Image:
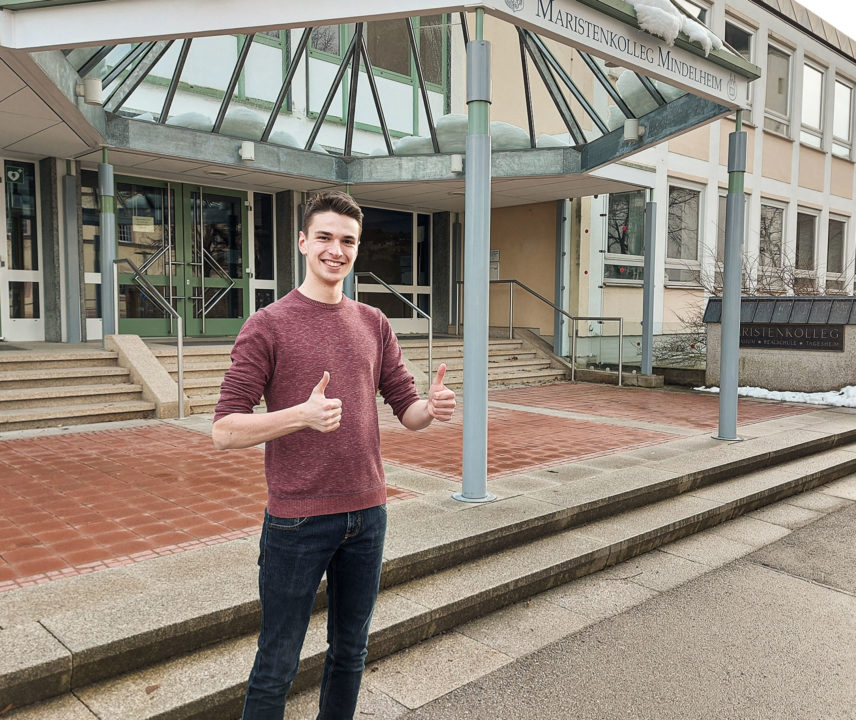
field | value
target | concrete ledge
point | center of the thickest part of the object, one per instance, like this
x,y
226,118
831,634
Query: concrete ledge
x,y
33,665
146,370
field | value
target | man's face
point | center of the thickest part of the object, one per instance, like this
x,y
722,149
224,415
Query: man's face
x,y
330,246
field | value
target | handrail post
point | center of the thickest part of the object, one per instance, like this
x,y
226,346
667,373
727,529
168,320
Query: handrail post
x,y
116,306
511,311
620,348
458,309
180,365
573,349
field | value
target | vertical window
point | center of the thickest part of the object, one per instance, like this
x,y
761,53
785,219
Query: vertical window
x,y
778,90
625,236
811,132
835,247
772,227
806,225
263,236
740,41
683,235
325,38
841,119
836,282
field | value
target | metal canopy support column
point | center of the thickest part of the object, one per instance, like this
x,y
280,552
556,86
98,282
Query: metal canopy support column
x,y
477,266
648,288
735,210
107,222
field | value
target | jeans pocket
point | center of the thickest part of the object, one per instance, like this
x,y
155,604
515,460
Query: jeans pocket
x,y
280,523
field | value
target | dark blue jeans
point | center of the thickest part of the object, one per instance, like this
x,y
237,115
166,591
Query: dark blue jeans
x,y
295,553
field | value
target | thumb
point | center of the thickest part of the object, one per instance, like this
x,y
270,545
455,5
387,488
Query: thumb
x,y
322,386
441,373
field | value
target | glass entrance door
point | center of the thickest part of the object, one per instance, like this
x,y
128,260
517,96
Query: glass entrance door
x,y
191,244
20,267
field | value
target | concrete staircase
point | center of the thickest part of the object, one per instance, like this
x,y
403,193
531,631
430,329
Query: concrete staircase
x,y
59,388
510,362
175,637
204,367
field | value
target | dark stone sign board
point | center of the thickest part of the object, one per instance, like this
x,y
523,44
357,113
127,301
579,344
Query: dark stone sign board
x,y
792,337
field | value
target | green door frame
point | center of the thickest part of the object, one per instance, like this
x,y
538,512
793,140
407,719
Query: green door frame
x,y
187,285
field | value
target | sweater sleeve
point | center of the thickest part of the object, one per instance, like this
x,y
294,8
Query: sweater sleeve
x,y
252,367
396,383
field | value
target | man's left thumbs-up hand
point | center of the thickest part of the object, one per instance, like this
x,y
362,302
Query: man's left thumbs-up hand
x,y
441,400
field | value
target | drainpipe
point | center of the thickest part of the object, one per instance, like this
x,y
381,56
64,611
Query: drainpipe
x,y
735,210
477,268
107,220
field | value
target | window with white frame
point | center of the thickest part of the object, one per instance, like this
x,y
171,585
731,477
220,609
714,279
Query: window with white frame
x,y
842,113
625,237
805,254
741,41
835,255
811,132
777,106
682,264
771,232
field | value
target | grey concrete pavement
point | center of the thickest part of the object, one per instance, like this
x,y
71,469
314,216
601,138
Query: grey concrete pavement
x,y
769,636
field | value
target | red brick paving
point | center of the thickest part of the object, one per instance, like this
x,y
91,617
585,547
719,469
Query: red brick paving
x,y
697,411
80,502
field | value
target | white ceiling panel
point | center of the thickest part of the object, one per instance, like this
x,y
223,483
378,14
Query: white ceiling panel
x,y
56,141
9,81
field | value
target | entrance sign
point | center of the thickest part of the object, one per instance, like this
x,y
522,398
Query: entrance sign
x,y
591,30
792,337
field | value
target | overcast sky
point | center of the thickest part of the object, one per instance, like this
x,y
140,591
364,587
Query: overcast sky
x,y
841,13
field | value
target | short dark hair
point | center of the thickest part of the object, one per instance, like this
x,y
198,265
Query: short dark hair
x,y
331,201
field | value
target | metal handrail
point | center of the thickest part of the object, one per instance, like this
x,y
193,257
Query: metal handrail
x,y
162,303
401,297
573,318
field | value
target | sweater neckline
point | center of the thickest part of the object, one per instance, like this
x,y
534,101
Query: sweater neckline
x,y
318,304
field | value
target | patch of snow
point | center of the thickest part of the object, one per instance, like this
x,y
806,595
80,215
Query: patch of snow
x,y
192,120
846,397
663,19
241,122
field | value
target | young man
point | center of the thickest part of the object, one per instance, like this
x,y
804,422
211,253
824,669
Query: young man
x,y
319,359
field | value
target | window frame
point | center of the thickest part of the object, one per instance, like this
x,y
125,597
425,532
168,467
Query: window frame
x,y
774,121
809,134
688,264
783,208
837,277
842,147
617,259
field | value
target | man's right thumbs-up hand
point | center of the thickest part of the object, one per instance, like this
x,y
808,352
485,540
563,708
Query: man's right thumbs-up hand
x,y
322,413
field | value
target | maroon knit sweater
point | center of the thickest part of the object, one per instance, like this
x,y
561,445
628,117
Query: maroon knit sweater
x,y
282,352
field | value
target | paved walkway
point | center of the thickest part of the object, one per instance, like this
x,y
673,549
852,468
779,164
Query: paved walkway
x,y
76,502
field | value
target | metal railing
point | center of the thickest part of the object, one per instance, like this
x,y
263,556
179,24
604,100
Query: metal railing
x,y
403,299
572,318
156,297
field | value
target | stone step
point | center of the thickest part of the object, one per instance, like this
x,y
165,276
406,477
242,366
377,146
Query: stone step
x,y
191,369
67,394
191,351
74,414
212,680
27,361
421,356
83,375
122,655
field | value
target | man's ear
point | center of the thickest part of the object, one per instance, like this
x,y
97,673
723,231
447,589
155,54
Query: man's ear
x,y
301,242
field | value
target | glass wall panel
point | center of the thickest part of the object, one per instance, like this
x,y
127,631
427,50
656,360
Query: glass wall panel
x,y
24,300
389,46
135,303
264,244
91,210
423,249
386,246
142,216
22,245
430,38
264,297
